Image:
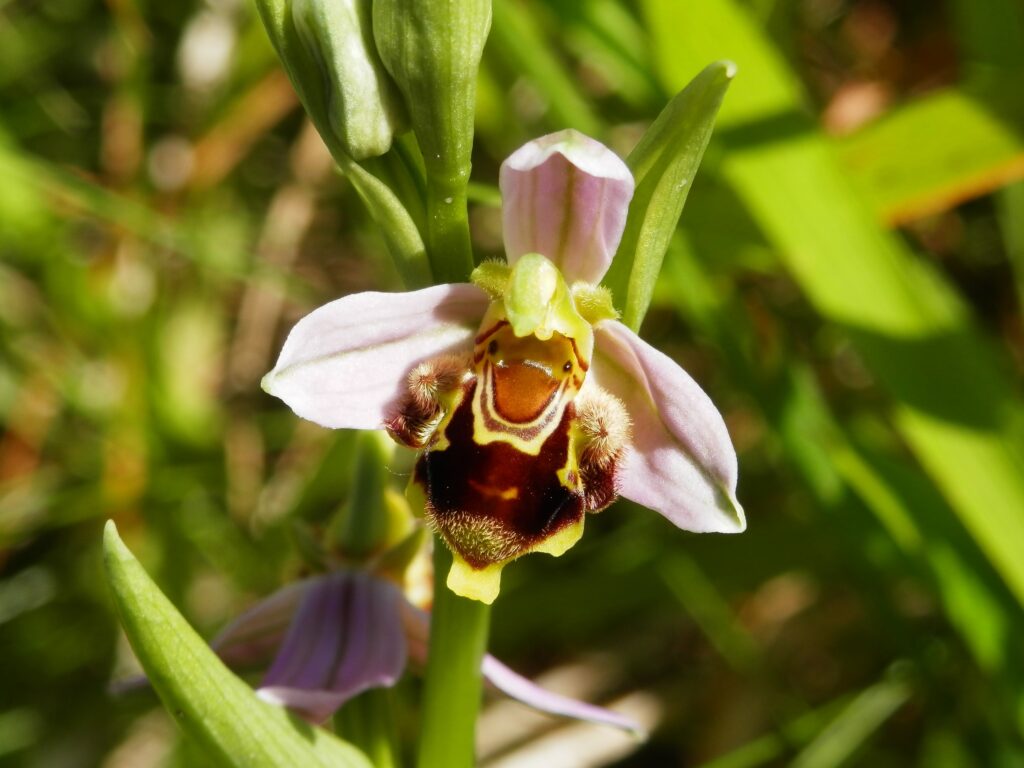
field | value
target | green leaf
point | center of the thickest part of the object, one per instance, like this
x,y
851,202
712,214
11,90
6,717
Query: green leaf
x,y
209,703
909,169
664,164
953,403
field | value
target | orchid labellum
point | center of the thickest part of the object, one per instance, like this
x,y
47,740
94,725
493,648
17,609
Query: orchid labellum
x,y
530,403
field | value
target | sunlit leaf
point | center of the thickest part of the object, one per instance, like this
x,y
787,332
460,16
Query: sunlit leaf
x,y
952,401
664,164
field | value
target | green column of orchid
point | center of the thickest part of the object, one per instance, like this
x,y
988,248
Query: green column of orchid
x,y
432,50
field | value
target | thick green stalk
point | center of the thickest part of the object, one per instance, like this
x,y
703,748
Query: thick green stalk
x,y
366,722
451,696
448,230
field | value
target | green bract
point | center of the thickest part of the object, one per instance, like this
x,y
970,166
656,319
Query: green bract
x,y
664,164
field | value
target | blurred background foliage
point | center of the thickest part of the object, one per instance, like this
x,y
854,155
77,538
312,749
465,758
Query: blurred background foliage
x,y
846,283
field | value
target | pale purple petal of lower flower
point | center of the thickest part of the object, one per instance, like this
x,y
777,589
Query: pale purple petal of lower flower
x,y
346,636
521,689
565,196
681,462
345,364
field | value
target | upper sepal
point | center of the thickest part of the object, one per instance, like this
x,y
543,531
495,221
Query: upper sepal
x,y
565,196
681,461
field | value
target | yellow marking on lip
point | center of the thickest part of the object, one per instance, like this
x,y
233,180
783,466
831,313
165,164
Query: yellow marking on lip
x,y
506,494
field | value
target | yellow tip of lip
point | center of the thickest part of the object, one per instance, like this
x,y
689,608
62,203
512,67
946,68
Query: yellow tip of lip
x,y
562,541
481,584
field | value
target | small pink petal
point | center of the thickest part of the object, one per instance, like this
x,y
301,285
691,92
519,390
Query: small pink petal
x,y
346,636
565,196
681,462
531,694
345,364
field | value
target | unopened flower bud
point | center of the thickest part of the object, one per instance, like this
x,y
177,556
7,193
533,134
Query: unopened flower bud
x,y
432,50
328,51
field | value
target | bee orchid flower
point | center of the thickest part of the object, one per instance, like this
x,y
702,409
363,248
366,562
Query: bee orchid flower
x,y
529,402
327,638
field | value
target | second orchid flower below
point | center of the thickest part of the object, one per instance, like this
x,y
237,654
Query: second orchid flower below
x,y
530,403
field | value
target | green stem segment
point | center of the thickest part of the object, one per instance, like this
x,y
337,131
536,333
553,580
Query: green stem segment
x,y
453,689
448,243
366,722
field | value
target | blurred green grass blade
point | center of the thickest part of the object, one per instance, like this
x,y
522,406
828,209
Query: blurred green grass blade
x,y
955,407
209,702
769,748
607,37
663,165
909,169
854,725
19,170
520,44
908,507
705,604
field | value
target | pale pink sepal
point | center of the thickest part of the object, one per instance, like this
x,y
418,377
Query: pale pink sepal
x,y
345,364
565,196
681,462
346,637
518,687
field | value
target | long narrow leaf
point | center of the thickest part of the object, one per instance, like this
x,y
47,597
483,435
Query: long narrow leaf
x,y
664,164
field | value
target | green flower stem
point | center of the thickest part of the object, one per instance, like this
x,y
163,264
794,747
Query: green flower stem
x,y
432,50
453,688
366,722
448,243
